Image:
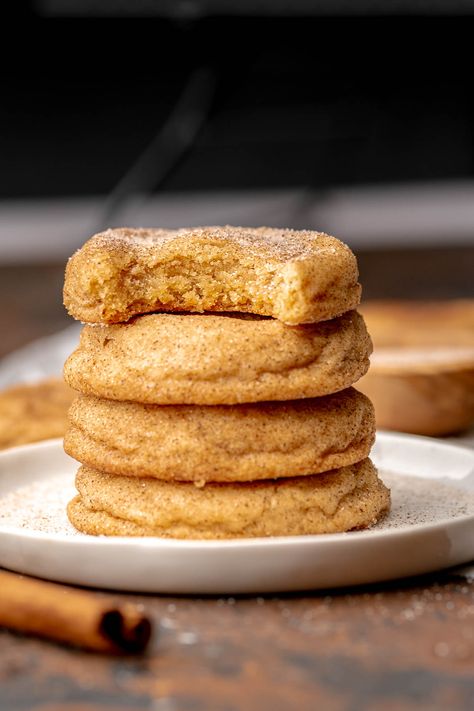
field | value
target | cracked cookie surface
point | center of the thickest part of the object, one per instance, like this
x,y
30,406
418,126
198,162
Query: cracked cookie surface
x,y
223,442
207,359
340,500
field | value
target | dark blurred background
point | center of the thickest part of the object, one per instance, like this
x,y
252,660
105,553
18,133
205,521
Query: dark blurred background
x,y
353,117
316,101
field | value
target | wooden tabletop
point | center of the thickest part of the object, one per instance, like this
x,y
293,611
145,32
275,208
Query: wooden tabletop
x,y
398,646
405,646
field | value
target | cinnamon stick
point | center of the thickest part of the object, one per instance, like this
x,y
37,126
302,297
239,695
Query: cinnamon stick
x,y
75,617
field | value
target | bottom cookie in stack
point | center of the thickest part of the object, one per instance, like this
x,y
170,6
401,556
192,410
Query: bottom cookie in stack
x,y
343,499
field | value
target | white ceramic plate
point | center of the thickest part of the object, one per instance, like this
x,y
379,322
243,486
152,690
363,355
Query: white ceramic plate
x,y
440,532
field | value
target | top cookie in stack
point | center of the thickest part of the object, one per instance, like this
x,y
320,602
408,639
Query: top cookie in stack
x,y
259,414
295,276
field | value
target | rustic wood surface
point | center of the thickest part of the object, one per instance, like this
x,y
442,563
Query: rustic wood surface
x,y
406,646
399,646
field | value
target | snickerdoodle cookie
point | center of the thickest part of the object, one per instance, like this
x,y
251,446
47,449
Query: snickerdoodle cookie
x,y
421,378
221,443
340,500
295,276
33,412
207,359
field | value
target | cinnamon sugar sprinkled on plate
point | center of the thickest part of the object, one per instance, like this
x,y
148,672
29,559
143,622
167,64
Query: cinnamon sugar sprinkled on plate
x,y
41,506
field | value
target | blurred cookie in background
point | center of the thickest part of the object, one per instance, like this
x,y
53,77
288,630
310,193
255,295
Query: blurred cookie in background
x,y
33,412
421,378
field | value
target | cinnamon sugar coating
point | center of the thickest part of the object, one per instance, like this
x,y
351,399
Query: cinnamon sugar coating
x,y
206,359
295,276
339,500
221,443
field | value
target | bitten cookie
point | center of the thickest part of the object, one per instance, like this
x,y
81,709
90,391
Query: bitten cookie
x,y
221,443
205,359
340,500
295,276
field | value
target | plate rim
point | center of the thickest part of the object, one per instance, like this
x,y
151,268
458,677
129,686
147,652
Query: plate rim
x,y
230,543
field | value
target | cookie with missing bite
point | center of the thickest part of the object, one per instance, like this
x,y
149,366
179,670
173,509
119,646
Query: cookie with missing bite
x,y
295,276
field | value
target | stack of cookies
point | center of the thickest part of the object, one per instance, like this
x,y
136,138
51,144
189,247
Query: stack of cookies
x,y
214,380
